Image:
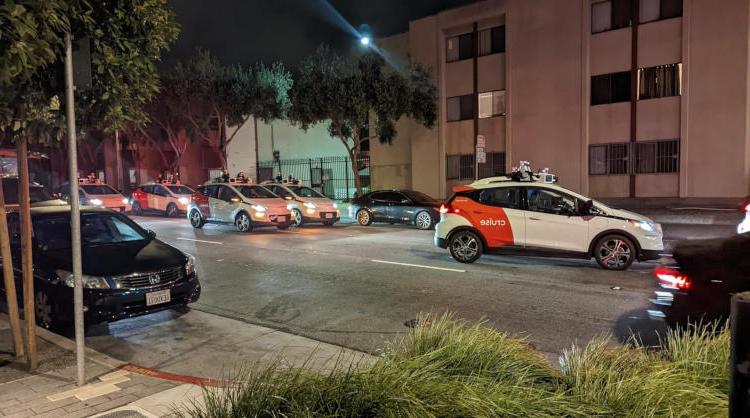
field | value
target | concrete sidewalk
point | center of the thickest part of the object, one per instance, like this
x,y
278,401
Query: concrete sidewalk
x,y
148,369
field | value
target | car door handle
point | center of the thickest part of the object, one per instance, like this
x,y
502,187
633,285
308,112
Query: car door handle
x,y
531,218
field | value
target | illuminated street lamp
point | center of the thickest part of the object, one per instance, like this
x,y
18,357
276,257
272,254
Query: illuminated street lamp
x,y
365,40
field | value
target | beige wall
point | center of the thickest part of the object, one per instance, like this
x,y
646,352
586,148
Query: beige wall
x,y
544,67
715,135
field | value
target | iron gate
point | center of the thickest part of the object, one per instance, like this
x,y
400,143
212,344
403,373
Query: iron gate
x,y
331,176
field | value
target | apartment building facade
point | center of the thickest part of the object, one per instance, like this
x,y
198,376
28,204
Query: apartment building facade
x,y
620,98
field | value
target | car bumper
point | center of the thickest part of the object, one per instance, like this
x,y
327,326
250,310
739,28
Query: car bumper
x,y
646,255
441,242
112,305
325,216
278,219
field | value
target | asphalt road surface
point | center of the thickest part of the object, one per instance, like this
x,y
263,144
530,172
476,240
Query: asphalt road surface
x,y
356,286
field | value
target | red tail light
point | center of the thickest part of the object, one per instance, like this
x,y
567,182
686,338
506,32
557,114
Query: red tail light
x,y
672,278
745,207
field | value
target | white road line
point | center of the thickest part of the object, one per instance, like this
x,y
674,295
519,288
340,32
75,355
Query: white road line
x,y
199,240
419,265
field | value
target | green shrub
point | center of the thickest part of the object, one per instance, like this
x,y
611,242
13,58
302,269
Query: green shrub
x,y
450,368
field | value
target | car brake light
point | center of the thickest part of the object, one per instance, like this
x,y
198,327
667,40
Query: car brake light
x,y
671,278
745,207
444,208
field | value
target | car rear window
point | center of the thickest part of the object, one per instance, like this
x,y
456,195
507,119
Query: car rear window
x,y
180,189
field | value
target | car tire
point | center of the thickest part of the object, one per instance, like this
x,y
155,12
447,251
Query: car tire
x,y
243,222
297,218
196,220
136,209
423,220
171,211
364,217
465,246
615,252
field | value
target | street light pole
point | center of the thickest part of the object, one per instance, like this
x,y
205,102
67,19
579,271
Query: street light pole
x,y
75,211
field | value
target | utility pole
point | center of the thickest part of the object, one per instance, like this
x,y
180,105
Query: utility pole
x,y
27,267
75,211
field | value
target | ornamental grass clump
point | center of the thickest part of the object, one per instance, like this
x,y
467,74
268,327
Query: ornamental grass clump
x,y
450,368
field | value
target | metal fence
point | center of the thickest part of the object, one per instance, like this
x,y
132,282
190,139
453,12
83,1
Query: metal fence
x,y
461,166
332,176
643,157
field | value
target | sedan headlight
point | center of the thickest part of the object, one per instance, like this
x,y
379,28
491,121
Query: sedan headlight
x,y
644,225
258,208
309,205
335,206
183,200
96,202
89,282
290,206
125,200
190,265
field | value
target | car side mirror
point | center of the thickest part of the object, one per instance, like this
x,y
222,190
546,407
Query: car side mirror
x,y
586,207
151,234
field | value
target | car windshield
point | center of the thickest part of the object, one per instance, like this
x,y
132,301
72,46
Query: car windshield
x,y
53,232
419,197
36,193
305,191
180,189
256,192
99,189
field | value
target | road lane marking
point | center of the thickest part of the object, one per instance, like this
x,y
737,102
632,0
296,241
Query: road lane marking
x,y
418,265
199,240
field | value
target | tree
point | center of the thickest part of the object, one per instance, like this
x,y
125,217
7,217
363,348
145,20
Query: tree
x,y
349,93
214,97
127,39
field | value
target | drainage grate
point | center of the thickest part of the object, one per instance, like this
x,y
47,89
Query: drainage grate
x,y
123,413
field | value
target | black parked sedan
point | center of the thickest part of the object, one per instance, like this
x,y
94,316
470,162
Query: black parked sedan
x,y
396,206
126,271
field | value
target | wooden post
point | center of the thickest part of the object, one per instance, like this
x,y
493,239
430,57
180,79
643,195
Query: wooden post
x,y
10,281
26,260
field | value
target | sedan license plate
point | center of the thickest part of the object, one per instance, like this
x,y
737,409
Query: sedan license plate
x,y
329,215
157,298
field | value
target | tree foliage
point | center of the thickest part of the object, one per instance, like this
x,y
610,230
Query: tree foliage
x,y
349,93
214,96
127,38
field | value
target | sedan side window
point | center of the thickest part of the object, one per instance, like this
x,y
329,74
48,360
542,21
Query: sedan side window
x,y
226,194
503,197
550,201
160,191
390,197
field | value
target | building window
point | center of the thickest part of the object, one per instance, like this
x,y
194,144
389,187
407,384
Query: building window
x,y
610,14
647,157
459,47
660,81
492,104
460,107
461,166
608,159
610,88
651,10
657,157
492,40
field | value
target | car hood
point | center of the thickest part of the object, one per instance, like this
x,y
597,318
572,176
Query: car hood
x,y
272,204
620,213
320,202
119,259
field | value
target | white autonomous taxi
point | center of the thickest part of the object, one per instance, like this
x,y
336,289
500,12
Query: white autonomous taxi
x,y
237,202
528,214
306,204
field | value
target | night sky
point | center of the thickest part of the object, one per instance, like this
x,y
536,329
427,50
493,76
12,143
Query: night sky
x,y
246,31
